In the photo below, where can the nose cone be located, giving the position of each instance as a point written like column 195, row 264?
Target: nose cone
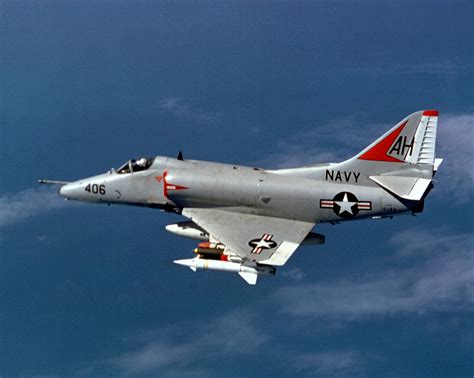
column 71, row 191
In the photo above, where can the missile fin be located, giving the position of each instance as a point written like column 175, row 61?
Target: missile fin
column 250, row 278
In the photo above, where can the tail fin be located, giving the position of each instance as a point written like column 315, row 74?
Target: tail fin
column 402, row 160
column 413, row 140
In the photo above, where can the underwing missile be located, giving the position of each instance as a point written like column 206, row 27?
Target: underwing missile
column 249, row 272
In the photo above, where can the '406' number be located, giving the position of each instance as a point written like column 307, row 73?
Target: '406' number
column 95, row 188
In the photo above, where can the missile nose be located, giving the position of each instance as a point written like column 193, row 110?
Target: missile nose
column 187, row 262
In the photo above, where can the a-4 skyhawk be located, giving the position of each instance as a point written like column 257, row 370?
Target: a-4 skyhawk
column 250, row 220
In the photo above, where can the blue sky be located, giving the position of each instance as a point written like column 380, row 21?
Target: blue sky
column 91, row 291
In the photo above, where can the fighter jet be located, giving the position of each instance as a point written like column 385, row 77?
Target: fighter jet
column 251, row 220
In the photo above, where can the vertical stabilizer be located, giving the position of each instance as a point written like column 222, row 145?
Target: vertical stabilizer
column 413, row 141
column 403, row 160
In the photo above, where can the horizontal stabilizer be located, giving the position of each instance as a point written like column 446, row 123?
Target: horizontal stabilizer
column 437, row 163
column 409, row 188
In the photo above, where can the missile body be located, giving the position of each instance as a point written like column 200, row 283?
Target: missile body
column 248, row 271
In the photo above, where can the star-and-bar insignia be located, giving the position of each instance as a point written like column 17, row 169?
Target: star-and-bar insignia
column 345, row 204
column 265, row 242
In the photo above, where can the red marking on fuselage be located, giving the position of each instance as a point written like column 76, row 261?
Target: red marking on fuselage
column 167, row 186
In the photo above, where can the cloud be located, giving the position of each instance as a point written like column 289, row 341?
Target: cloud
column 442, row 282
column 339, row 139
column 428, row 273
column 455, row 142
column 295, row 274
column 331, row 363
column 15, row 208
column 186, row 350
column 334, row 141
column 171, row 352
column 179, row 108
column 442, row 67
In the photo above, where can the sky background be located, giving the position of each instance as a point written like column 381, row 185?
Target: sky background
column 91, row 290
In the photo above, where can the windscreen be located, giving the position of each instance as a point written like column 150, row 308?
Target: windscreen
column 135, row 165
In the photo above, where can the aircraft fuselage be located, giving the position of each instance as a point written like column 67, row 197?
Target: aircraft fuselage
column 173, row 184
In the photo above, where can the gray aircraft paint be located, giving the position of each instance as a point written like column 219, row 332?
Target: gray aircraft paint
column 244, row 189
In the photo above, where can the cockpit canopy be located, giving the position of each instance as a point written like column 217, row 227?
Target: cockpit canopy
column 136, row 165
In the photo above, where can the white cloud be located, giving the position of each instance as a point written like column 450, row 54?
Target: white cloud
column 342, row 138
column 442, row 282
column 295, row 274
column 179, row 108
column 455, row 144
column 333, row 141
column 442, row 67
column 429, row 272
column 170, row 352
column 331, row 363
column 15, row 208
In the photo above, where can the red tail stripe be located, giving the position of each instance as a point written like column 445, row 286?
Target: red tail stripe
column 379, row 151
column 431, row 113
